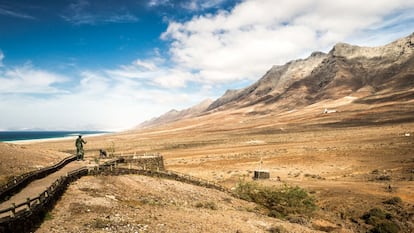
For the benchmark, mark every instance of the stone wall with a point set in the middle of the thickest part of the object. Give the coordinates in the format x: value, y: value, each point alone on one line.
x: 145, y: 162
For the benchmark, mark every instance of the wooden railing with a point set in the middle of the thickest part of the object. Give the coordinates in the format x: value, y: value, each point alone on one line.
x: 19, y: 182
x: 25, y: 216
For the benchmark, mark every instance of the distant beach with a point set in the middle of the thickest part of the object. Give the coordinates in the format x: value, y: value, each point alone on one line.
x: 20, y: 137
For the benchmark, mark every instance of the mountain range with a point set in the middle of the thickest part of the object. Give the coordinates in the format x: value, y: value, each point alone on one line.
x: 379, y: 79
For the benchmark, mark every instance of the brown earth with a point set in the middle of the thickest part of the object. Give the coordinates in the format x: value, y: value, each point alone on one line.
x: 142, y: 204
x: 348, y: 165
x: 18, y: 159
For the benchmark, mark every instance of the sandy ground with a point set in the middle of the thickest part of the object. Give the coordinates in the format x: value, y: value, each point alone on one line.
x: 104, y: 204
x: 348, y: 165
x: 18, y: 159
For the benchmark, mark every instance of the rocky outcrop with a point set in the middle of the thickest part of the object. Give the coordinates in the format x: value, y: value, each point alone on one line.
x: 345, y: 70
x: 273, y: 83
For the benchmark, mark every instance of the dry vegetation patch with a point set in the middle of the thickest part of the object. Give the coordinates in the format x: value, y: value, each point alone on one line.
x: 142, y: 204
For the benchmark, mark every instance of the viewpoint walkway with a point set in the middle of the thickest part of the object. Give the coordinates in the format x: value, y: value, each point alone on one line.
x: 27, y: 204
x: 38, y: 186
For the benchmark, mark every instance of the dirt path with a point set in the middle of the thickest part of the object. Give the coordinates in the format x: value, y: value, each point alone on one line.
x: 36, y: 187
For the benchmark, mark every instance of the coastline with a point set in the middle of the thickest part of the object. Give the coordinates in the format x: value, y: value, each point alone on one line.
x: 40, y: 140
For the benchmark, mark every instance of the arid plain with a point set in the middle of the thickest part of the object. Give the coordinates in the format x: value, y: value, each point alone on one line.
x: 348, y: 165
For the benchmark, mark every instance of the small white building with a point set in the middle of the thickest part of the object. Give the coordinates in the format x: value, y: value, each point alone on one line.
x: 326, y: 111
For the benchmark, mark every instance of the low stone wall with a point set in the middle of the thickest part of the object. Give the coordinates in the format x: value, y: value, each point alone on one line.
x: 145, y: 162
x: 116, y: 171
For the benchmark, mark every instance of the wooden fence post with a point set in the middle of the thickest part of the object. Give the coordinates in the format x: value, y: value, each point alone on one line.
x: 28, y: 202
x: 13, y: 210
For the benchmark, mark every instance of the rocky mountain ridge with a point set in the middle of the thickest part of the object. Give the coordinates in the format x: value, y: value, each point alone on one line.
x: 345, y: 70
x: 363, y: 73
x: 174, y: 115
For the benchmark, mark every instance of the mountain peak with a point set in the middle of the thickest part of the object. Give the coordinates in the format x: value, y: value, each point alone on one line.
x: 395, y: 50
x: 317, y: 54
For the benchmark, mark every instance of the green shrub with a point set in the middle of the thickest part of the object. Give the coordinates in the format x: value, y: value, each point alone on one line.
x: 374, y: 216
x: 393, y: 201
x: 386, y: 227
x: 48, y: 216
x: 280, y: 201
x: 381, y: 221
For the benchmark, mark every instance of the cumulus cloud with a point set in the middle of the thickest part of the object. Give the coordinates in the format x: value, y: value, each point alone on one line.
x: 115, y: 99
x: 245, y: 42
x: 153, y: 73
x: 207, y: 54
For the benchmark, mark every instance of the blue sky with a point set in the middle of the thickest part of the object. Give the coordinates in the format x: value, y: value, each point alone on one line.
x: 109, y: 65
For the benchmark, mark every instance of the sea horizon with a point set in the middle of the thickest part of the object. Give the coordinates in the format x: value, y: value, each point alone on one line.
x: 12, y: 136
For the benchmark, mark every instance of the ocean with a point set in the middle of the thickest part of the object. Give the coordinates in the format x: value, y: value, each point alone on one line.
x: 9, y: 136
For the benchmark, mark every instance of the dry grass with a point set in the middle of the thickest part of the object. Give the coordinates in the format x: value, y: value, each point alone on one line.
x: 347, y: 164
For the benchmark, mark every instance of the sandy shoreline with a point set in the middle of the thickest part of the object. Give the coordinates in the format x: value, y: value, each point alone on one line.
x: 32, y: 141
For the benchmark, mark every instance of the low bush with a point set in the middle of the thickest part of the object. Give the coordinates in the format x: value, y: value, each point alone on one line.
x: 207, y: 205
x: 393, y: 201
x: 280, y: 201
x: 277, y: 229
x: 381, y: 221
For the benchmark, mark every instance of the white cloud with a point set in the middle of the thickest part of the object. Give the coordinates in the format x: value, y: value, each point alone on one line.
x: 153, y: 72
x: 155, y: 3
x: 207, y: 53
x: 246, y: 41
x: 197, y: 5
x: 145, y: 64
x: 26, y: 79
x: 101, y: 99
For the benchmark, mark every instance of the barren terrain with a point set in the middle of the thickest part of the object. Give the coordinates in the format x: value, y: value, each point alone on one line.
x: 349, y: 170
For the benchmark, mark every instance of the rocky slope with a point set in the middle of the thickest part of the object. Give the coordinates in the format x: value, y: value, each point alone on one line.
x: 174, y: 115
x: 346, y: 70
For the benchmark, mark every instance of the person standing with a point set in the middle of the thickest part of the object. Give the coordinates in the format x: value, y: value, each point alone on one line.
x: 79, y: 147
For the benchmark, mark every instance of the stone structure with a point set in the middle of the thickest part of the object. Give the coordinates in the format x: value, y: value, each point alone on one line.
x: 261, y: 174
x: 145, y: 162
